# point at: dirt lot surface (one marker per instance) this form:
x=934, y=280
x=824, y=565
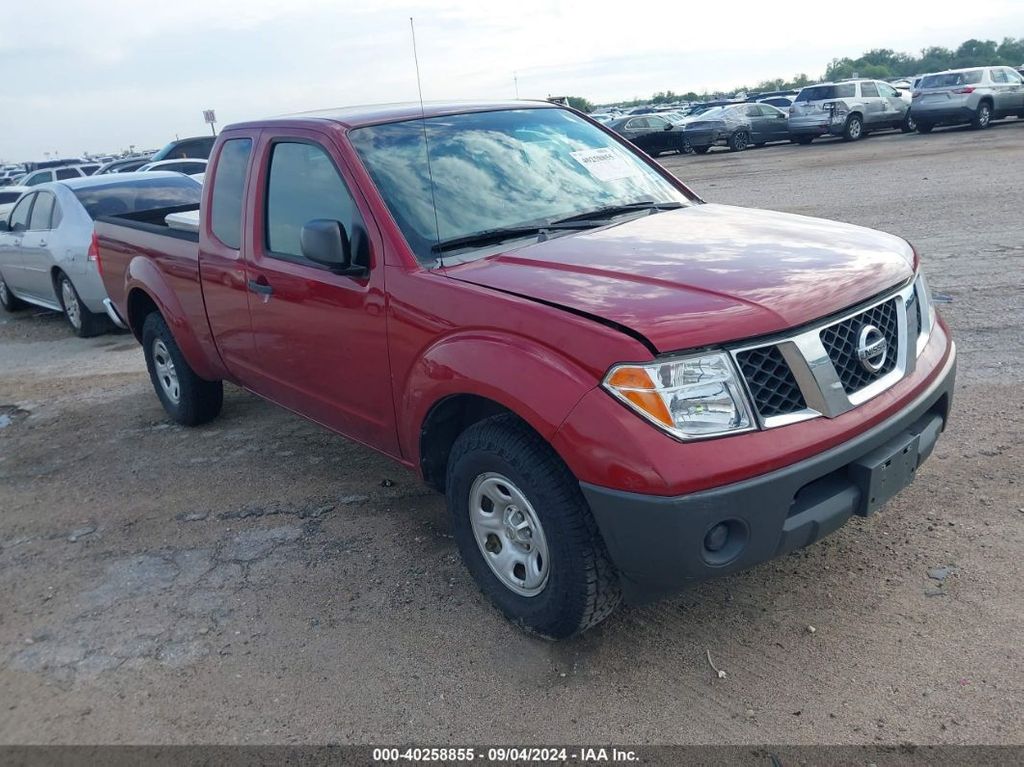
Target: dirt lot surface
x=261, y=580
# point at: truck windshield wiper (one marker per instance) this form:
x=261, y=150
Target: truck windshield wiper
x=615, y=210
x=491, y=236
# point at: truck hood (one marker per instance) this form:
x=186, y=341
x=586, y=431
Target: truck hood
x=705, y=274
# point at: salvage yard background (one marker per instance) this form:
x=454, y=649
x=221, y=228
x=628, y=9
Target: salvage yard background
x=261, y=580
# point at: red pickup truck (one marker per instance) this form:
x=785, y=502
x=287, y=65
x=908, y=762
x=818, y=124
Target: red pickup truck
x=622, y=389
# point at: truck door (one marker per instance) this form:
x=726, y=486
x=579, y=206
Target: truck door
x=222, y=269
x=320, y=337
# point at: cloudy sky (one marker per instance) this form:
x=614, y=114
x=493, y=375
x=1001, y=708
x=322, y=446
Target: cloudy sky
x=100, y=76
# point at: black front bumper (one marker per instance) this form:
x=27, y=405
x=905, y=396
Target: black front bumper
x=660, y=544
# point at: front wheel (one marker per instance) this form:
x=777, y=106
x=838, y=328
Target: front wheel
x=853, y=129
x=909, y=124
x=525, y=531
x=701, y=149
x=739, y=141
x=187, y=398
x=83, y=322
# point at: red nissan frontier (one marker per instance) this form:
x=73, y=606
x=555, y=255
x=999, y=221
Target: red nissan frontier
x=621, y=389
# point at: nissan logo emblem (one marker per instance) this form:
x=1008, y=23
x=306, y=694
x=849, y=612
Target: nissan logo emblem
x=872, y=348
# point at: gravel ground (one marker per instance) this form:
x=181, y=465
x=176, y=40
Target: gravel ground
x=261, y=580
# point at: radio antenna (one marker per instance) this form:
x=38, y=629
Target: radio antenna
x=426, y=146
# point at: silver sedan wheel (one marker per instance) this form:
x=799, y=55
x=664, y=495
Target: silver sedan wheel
x=509, y=534
x=165, y=371
x=70, y=301
x=4, y=295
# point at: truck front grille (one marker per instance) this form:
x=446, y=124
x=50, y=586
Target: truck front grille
x=771, y=382
x=841, y=342
x=818, y=371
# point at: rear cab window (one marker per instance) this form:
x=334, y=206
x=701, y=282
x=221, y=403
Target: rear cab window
x=228, y=191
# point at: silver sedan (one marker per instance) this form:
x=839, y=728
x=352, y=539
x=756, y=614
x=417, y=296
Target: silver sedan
x=47, y=252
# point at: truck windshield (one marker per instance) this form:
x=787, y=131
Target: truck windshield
x=139, y=194
x=506, y=169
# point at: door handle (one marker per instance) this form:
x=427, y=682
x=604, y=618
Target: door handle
x=42, y=243
x=262, y=288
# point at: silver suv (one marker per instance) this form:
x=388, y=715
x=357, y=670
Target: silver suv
x=851, y=109
x=976, y=96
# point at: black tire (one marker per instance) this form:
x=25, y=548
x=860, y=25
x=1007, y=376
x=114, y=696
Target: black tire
x=8, y=300
x=854, y=128
x=804, y=140
x=739, y=141
x=198, y=400
x=582, y=587
x=84, y=323
x=684, y=147
x=909, y=124
x=701, y=149
x=982, y=116
x=925, y=127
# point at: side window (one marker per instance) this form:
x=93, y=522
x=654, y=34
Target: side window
x=1014, y=77
x=38, y=178
x=228, y=189
x=657, y=122
x=868, y=90
x=752, y=110
x=846, y=91
x=303, y=185
x=19, y=216
x=998, y=76
x=638, y=123
x=887, y=90
x=65, y=173
x=41, y=212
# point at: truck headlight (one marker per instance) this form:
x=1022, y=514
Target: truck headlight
x=926, y=309
x=689, y=397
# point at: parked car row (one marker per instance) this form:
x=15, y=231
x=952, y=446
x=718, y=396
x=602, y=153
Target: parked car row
x=849, y=109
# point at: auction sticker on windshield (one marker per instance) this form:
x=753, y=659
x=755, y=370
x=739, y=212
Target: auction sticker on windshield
x=604, y=164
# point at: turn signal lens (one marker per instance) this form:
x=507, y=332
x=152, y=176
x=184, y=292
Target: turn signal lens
x=689, y=397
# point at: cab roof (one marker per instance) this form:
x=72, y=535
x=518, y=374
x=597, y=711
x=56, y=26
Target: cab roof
x=375, y=114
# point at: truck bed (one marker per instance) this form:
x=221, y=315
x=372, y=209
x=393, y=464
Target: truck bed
x=141, y=240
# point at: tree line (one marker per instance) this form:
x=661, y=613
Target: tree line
x=878, y=64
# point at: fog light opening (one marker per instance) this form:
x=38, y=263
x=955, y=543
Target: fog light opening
x=724, y=542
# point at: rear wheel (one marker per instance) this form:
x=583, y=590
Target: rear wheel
x=739, y=141
x=83, y=322
x=187, y=398
x=909, y=124
x=925, y=127
x=982, y=116
x=8, y=300
x=525, y=531
x=854, y=128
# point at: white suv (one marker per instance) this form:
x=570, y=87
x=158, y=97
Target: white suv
x=45, y=175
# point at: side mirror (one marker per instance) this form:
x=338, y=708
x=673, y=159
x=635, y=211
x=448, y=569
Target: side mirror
x=668, y=127
x=325, y=242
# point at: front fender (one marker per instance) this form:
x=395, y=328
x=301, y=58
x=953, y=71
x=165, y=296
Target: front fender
x=186, y=317
x=534, y=381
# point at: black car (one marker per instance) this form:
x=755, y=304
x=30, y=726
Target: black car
x=736, y=126
x=126, y=165
x=197, y=147
x=704, y=106
x=652, y=133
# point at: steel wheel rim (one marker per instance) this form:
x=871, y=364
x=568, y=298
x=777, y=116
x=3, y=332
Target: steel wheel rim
x=985, y=115
x=71, y=308
x=166, y=373
x=509, y=534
